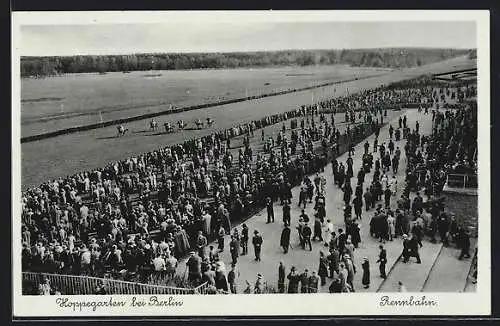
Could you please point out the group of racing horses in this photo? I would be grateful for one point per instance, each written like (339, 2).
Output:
(169, 127)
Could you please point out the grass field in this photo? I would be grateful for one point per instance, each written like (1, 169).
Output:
(60, 102)
(64, 155)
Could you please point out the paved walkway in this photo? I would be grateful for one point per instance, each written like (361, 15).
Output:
(447, 272)
(301, 259)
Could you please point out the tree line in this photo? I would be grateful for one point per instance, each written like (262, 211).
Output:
(383, 58)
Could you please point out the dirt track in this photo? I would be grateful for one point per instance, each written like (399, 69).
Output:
(65, 155)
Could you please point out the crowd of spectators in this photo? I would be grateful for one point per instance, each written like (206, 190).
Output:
(142, 214)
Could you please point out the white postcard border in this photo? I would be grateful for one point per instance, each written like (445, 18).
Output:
(478, 303)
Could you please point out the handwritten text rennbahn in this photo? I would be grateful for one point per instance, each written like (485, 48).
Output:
(93, 305)
(411, 301)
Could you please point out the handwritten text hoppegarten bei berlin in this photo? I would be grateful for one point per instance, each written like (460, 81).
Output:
(93, 305)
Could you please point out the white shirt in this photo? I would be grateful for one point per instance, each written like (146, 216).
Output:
(159, 264)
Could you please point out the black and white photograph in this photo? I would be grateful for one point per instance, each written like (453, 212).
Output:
(263, 162)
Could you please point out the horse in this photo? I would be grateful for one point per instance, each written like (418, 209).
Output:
(210, 122)
(181, 124)
(153, 125)
(199, 124)
(121, 130)
(168, 127)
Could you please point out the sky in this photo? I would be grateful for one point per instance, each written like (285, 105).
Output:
(234, 36)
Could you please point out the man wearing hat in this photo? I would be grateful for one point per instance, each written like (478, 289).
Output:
(285, 238)
(365, 279)
(281, 277)
(193, 266)
(257, 244)
(303, 197)
(231, 278)
(293, 281)
(304, 281)
(259, 285)
(382, 260)
(234, 249)
(313, 283)
(244, 239)
(286, 212)
(270, 210)
(306, 235)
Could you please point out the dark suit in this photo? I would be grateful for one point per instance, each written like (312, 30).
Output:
(304, 283)
(281, 279)
(257, 244)
(285, 239)
(286, 214)
(382, 259)
(234, 248)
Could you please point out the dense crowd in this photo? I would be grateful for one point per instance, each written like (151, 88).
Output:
(137, 217)
(429, 158)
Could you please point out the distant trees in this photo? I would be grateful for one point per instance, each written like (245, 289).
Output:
(386, 58)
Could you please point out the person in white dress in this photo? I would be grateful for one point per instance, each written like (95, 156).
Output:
(328, 230)
(393, 185)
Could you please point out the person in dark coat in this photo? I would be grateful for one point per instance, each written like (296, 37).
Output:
(341, 240)
(281, 277)
(234, 249)
(399, 223)
(323, 268)
(417, 233)
(333, 261)
(335, 286)
(303, 197)
(443, 227)
(304, 281)
(410, 249)
(194, 268)
(257, 244)
(358, 204)
(285, 238)
(313, 283)
(355, 234)
(463, 242)
(387, 197)
(365, 280)
(220, 238)
(306, 236)
(244, 239)
(382, 260)
(221, 280)
(293, 281)
(270, 211)
(317, 229)
(368, 199)
(286, 213)
(406, 248)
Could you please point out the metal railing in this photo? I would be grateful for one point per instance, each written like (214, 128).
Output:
(461, 181)
(83, 285)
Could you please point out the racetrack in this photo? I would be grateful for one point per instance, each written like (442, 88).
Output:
(64, 155)
(56, 103)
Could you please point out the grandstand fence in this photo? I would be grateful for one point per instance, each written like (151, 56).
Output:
(84, 285)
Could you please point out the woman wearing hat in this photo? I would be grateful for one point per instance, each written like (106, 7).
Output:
(365, 280)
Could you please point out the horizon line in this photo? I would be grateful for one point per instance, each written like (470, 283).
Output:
(256, 51)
